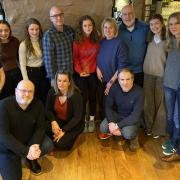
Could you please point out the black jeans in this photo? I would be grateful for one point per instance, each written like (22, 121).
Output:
(10, 163)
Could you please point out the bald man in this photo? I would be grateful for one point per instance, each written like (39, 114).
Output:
(22, 132)
(57, 44)
(134, 34)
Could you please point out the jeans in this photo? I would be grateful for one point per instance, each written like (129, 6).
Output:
(10, 163)
(128, 132)
(172, 98)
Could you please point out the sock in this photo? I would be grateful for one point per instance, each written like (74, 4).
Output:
(91, 118)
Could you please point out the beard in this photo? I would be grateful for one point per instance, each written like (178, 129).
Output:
(23, 101)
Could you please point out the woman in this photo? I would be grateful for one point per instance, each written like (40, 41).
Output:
(30, 58)
(2, 77)
(111, 58)
(64, 111)
(154, 64)
(171, 148)
(9, 59)
(85, 49)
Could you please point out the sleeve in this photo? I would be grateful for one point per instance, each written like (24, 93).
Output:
(50, 106)
(77, 105)
(49, 56)
(6, 138)
(122, 56)
(76, 60)
(40, 127)
(136, 114)
(109, 104)
(23, 60)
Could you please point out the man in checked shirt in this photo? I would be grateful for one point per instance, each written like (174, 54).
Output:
(57, 44)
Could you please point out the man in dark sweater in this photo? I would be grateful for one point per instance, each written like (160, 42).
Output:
(123, 109)
(22, 132)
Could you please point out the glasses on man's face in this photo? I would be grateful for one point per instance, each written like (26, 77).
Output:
(24, 91)
(57, 15)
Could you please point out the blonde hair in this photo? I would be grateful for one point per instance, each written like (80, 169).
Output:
(112, 22)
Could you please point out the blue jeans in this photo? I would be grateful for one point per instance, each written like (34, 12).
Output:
(128, 132)
(172, 99)
(10, 163)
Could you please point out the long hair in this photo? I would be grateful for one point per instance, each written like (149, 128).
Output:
(72, 87)
(10, 33)
(113, 23)
(163, 31)
(27, 40)
(169, 35)
(79, 35)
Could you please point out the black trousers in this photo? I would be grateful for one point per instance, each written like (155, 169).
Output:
(88, 88)
(10, 163)
(139, 78)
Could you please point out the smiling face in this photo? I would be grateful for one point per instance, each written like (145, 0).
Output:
(156, 26)
(87, 27)
(4, 33)
(34, 30)
(128, 16)
(108, 30)
(57, 17)
(125, 80)
(174, 27)
(63, 83)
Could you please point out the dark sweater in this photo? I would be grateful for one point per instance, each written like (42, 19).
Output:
(19, 128)
(74, 111)
(128, 105)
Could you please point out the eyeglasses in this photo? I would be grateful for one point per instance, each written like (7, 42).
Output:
(57, 15)
(25, 91)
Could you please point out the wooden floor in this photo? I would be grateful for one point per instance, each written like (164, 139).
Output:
(94, 159)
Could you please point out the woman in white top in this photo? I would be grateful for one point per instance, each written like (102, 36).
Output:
(30, 58)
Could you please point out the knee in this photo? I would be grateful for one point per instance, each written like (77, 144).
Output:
(47, 145)
(129, 133)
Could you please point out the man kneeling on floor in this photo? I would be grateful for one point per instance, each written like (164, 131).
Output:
(22, 132)
(123, 107)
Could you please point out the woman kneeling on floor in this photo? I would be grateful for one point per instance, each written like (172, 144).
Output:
(64, 111)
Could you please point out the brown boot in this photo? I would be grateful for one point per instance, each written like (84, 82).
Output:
(134, 144)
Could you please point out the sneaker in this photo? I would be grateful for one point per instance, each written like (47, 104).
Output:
(169, 151)
(133, 144)
(173, 157)
(167, 145)
(104, 135)
(156, 136)
(86, 127)
(34, 167)
(91, 126)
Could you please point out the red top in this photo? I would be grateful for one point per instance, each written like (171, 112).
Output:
(60, 109)
(84, 56)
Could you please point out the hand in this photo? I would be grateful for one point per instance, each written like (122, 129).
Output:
(117, 132)
(55, 128)
(84, 74)
(108, 86)
(58, 137)
(112, 127)
(34, 152)
(99, 74)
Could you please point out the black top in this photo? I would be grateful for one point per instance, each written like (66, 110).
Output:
(19, 128)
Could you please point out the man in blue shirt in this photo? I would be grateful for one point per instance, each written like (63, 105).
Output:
(134, 34)
(57, 44)
(123, 107)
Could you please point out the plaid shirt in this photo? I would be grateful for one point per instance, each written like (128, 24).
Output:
(57, 50)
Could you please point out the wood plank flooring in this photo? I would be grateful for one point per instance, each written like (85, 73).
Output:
(94, 159)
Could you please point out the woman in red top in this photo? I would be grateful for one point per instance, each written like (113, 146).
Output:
(85, 49)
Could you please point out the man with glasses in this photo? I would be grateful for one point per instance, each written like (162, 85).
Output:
(22, 132)
(57, 44)
(134, 34)
(123, 107)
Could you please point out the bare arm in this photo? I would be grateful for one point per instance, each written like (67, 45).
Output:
(2, 78)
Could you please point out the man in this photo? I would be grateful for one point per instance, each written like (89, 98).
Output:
(134, 34)
(22, 132)
(57, 44)
(123, 107)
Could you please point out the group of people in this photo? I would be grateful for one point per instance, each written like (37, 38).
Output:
(131, 69)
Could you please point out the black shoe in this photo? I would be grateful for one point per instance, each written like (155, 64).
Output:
(34, 167)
